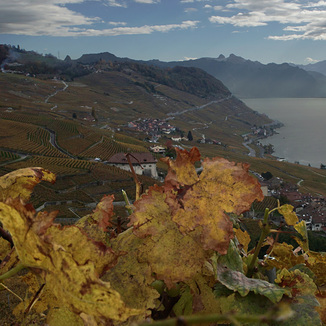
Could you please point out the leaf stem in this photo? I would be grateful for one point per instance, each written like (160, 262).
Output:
(12, 292)
(128, 206)
(12, 272)
(265, 231)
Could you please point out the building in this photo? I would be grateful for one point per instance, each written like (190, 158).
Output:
(157, 149)
(143, 163)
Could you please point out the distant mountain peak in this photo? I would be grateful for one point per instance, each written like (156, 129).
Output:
(235, 59)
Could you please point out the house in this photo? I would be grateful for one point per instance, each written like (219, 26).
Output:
(157, 149)
(143, 163)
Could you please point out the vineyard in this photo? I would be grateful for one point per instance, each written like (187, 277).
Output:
(8, 156)
(108, 146)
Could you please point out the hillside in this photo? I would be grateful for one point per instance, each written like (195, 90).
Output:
(63, 125)
(92, 116)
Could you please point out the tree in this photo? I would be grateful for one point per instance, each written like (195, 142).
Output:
(190, 138)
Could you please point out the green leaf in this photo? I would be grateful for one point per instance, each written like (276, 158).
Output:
(237, 281)
(232, 259)
(184, 305)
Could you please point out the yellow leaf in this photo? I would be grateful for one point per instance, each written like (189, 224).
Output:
(223, 187)
(289, 216)
(21, 183)
(284, 257)
(243, 238)
(173, 257)
(317, 263)
(72, 277)
(4, 248)
(132, 278)
(182, 171)
(96, 224)
(63, 317)
(299, 283)
(302, 229)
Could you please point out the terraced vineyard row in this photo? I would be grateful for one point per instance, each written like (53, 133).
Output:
(8, 156)
(268, 202)
(55, 164)
(26, 137)
(109, 147)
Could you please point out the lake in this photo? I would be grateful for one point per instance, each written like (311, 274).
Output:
(303, 137)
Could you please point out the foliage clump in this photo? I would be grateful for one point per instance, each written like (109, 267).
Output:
(185, 254)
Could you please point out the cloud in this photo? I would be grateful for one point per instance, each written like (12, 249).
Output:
(146, 29)
(187, 59)
(305, 21)
(148, 1)
(189, 10)
(310, 60)
(47, 17)
(117, 23)
(116, 3)
(51, 17)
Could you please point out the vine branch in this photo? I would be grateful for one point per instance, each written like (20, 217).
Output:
(12, 272)
(264, 233)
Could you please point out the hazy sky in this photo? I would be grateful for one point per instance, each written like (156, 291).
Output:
(264, 30)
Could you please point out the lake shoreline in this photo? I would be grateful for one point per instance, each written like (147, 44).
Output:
(302, 137)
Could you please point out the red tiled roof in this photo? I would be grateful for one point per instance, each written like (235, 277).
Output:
(120, 158)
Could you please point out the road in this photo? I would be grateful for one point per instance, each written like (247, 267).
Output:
(56, 92)
(173, 114)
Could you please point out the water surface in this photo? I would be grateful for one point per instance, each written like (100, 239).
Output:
(303, 137)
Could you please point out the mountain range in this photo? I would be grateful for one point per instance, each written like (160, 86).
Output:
(246, 78)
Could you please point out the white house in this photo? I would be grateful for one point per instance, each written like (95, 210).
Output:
(143, 163)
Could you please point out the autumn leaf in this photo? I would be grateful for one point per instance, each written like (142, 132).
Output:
(302, 230)
(302, 292)
(21, 183)
(131, 278)
(289, 216)
(152, 212)
(72, 277)
(223, 187)
(97, 223)
(284, 257)
(243, 238)
(299, 283)
(5, 248)
(182, 170)
(172, 256)
(317, 263)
